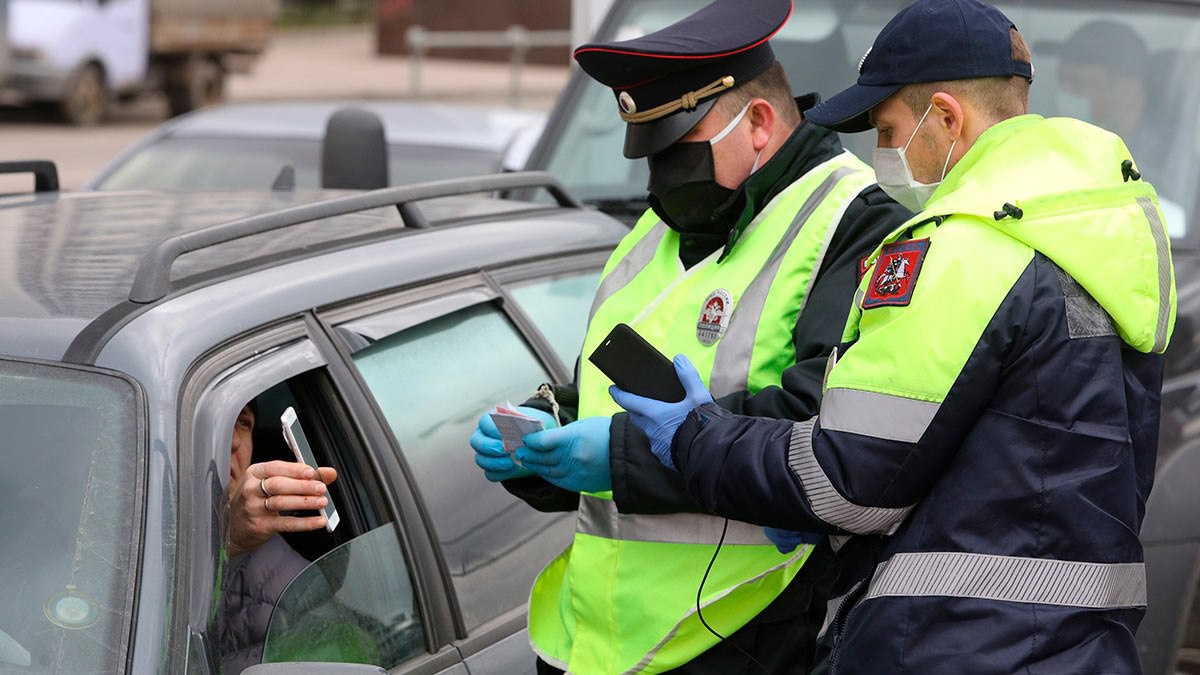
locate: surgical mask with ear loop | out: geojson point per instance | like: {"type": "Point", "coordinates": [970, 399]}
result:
{"type": "Point", "coordinates": [683, 187]}
{"type": "Point", "coordinates": [895, 177]}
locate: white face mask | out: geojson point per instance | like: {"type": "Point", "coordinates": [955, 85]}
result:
{"type": "Point", "coordinates": [895, 177]}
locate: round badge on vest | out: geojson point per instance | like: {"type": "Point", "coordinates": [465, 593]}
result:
{"type": "Point", "coordinates": [714, 317]}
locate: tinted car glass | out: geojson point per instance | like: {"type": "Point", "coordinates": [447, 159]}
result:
{"type": "Point", "coordinates": [353, 605]}
{"type": "Point", "coordinates": [1154, 110]}
{"type": "Point", "coordinates": [240, 163]}
{"type": "Point", "coordinates": [559, 306]}
{"type": "Point", "coordinates": [70, 492]}
{"type": "Point", "coordinates": [432, 382]}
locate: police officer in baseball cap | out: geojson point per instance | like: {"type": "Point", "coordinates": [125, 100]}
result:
{"type": "Point", "coordinates": [767, 214]}
{"type": "Point", "coordinates": [988, 431]}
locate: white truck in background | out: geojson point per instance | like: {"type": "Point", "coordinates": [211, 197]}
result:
{"type": "Point", "coordinates": [79, 54]}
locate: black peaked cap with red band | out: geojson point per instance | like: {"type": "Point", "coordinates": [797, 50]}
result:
{"type": "Point", "coordinates": [666, 81]}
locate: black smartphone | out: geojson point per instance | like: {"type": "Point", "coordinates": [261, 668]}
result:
{"type": "Point", "coordinates": [636, 366]}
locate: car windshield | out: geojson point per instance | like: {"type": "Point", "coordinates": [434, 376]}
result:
{"type": "Point", "coordinates": [70, 492]}
{"type": "Point", "coordinates": [1154, 109]}
{"type": "Point", "coordinates": [253, 164]}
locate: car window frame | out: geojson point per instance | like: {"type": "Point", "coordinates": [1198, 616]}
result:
{"type": "Point", "coordinates": [429, 302]}
{"type": "Point", "coordinates": [489, 285]}
{"type": "Point", "coordinates": [435, 595]}
{"type": "Point", "coordinates": [252, 362]}
{"type": "Point", "coordinates": [545, 269]}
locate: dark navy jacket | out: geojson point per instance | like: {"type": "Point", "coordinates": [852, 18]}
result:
{"type": "Point", "coordinates": [996, 530]}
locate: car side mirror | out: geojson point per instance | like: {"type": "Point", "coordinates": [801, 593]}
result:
{"type": "Point", "coordinates": [354, 154]}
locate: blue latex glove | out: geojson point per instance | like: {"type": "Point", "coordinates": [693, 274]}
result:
{"type": "Point", "coordinates": [787, 541]}
{"type": "Point", "coordinates": [659, 419]}
{"type": "Point", "coordinates": [574, 457]}
{"type": "Point", "coordinates": [489, 449]}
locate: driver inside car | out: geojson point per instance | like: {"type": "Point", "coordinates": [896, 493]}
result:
{"type": "Point", "coordinates": [261, 497]}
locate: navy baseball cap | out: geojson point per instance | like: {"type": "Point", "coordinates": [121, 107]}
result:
{"type": "Point", "coordinates": [928, 41]}
{"type": "Point", "coordinates": [667, 81]}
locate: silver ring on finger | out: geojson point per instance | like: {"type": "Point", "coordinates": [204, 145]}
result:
{"type": "Point", "coordinates": [267, 504]}
{"type": "Point", "coordinates": [262, 486]}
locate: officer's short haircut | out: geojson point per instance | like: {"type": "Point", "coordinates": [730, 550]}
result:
{"type": "Point", "coordinates": [999, 97]}
{"type": "Point", "coordinates": [772, 86]}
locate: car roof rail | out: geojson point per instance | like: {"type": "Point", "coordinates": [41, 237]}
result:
{"type": "Point", "coordinates": [152, 282]}
{"type": "Point", "coordinates": [45, 173]}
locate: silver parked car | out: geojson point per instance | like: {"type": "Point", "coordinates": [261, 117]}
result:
{"type": "Point", "coordinates": [244, 146]}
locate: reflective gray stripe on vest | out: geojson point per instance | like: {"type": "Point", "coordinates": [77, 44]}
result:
{"type": "Point", "coordinates": [731, 367]}
{"type": "Point", "coordinates": [629, 266]}
{"type": "Point", "coordinates": [1011, 579]}
{"type": "Point", "coordinates": [1164, 272]}
{"type": "Point", "coordinates": [894, 418]}
{"type": "Point", "coordinates": [600, 518]}
{"type": "Point", "coordinates": [826, 502]}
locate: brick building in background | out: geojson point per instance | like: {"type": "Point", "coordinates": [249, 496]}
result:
{"type": "Point", "coordinates": [394, 17]}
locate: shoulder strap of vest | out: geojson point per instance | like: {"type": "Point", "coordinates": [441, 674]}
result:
{"type": "Point", "coordinates": [731, 369]}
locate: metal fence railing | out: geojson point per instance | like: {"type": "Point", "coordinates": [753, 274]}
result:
{"type": "Point", "coordinates": [517, 39]}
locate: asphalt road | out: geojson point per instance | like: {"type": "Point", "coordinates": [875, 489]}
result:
{"type": "Point", "coordinates": [300, 64]}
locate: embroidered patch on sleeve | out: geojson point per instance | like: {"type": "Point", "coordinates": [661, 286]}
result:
{"type": "Point", "coordinates": [895, 276]}
{"type": "Point", "coordinates": [863, 266]}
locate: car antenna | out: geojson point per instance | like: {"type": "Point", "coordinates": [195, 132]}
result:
{"type": "Point", "coordinates": [286, 180]}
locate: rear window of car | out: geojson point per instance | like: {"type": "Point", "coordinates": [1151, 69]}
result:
{"type": "Point", "coordinates": [70, 494]}
{"type": "Point", "coordinates": [253, 164]}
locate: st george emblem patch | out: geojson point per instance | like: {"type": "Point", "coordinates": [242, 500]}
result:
{"type": "Point", "coordinates": [714, 317]}
{"type": "Point", "coordinates": [895, 276]}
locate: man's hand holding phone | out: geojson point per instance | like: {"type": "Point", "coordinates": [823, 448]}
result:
{"type": "Point", "coordinates": [661, 419]}
{"type": "Point", "coordinates": [269, 490]}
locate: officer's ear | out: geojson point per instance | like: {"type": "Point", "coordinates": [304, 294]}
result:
{"type": "Point", "coordinates": [948, 114]}
{"type": "Point", "coordinates": [763, 119]}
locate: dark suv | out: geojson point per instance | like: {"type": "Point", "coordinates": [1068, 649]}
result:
{"type": "Point", "coordinates": [1125, 65]}
{"type": "Point", "coordinates": [133, 328]}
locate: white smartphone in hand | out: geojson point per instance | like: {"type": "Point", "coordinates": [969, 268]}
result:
{"type": "Point", "coordinates": [293, 435]}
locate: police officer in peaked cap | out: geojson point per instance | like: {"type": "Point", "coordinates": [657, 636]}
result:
{"type": "Point", "coordinates": [746, 263]}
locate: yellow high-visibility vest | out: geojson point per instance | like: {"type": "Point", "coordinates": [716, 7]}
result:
{"type": "Point", "coordinates": [622, 597]}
